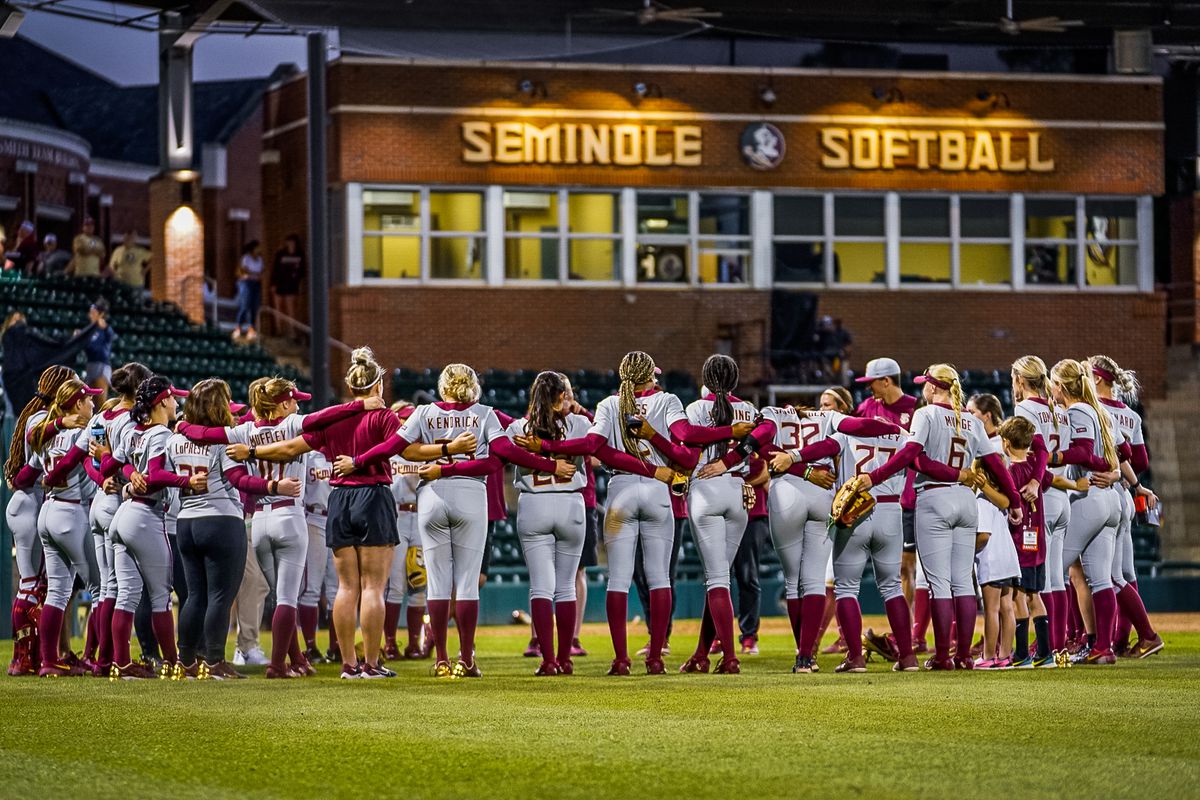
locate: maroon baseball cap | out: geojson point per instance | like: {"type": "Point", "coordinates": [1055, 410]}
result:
{"type": "Point", "coordinates": [291, 394]}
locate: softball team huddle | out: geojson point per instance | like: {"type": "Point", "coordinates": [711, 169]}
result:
{"type": "Point", "coordinates": [386, 507]}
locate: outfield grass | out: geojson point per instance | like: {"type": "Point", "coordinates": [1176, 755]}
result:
{"type": "Point", "coordinates": [1133, 729]}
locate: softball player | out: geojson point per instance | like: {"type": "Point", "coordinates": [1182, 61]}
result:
{"type": "Point", "coordinates": [946, 512]}
{"type": "Point", "coordinates": [21, 514]}
{"type": "Point", "coordinates": [1095, 516]}
{"type": "Point", "coordinates": [1031, 392]}
{"type": "Point", "coordinates": [1109, 376]}
{"type": "Point", "coordinates": [141, 553]}
{"type": "Point", "coordinates": [317, 472]}
{"type": "Point", "coordinates": [62, 521]}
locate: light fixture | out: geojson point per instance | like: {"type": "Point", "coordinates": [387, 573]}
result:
{"type": "Point", "coordinates": [767, 95]}
{"type": "Point", "coordinates": [531, 88]}
{"type": "Point", "coordinates": [657, 224]}
{"type": "Point", "coordinates": [645, 89]}
{"type": "Point", "coordinates": [887, 94]}
{"type": "Point", "coordinates": [185, 175]}
{"type": "Point", "coordinates": [995, 99]}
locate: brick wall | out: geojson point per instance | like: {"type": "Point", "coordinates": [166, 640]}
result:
{"type": "Point", "coordinates": [177, 261]}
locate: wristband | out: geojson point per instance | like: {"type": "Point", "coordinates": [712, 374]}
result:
{"type": "Point", "coordinates": [273, 487]}
{"type": "Point", "coordinates": [253, 452]}
{"type": "Point", "coordinates": [445, 450]}
{"type": "Point", "coordinates": [1133, 487]}
{"type": "Point", "coordinates": [808, 471]}
{"type": "Point", "coordinates": [745, 447]}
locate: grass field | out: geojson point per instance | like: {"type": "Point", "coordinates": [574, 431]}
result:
{"type": "Point", "coordinates": [1132, 729]}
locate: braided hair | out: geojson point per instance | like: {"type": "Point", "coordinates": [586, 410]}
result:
{"type": "Point", "coordinates": [51, 378]}
{"type": "Point", "coordinates": [637, 369]}
{"type": "Point", "coordinates": [720, 375]}
{"type": "Point", "coordinates": [1123, 380]}
{"type": "Point", "coordinates": [544, 421]}
{"type": "Point", "coordinates": [143, 400]}
{"type": "Point", "coordinates": [948, 374]}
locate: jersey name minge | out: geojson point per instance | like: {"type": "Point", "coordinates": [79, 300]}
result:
{"type": "Point", "coordinates": [954, 442]}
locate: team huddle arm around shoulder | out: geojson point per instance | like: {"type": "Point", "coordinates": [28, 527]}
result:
{"type": "Point", "coordinates": [867, 427]}
{"type": "Point", "coordinates": [240, 478]}
{"type": "Point", "coordinates": [1039, 456]}
{"type": "Point", "coordinates": [763, 432]}
{"type": "Point", "coordinates": [994, 463]}
{"type": "Point", "coordinates": [681, 454]}
{"type": "Point", "coordinates": [903, 458]}
{"type": "Point", "coordinates": [698, 435]}
{"type": "Point", "coordinates": [622, 461]}
{"type": "Point", "coordinates": [62, 469]}
{"type": "Point", "coordinates": [503, 447]}
{"type": "Point", "coordinates": [202, 434]}
{"type": "Point", "coordinates": [1124, 451]}
{"type": "Point", "coordinates": [474, 468]}
{"type": "Point", "coordinates": [826, 448]}
{"type": "Point", "coordinates": [1140, 459]}
{"type": "Point", "coordinates": [159, 477]}
{"type": "Point", "coordinates": [26, 477]}
{"type": "Point", "coordinates": [92, 472]}
{"type": "Point", "coordinates": [327, 416]}
{"type": "Point", "coordinates": [584, 446]}
{"type": "Point", "coordinates": [1081, 453]}
{"type": "Point", "coordinates": [392, 446]}
{"type": "Point", "coordinates": [109, 465]}
{"type": "Point", "coordinates": [935, 469]}
{"type": "Point", "coordinates": [505, 419]}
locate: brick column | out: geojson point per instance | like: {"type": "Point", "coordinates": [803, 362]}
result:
{"type": "Point", "coordinates": [177, 246]}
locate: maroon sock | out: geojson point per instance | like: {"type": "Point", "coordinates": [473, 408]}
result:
{"type": "Point", "coordinates": [542, 611]}
{"type": "Point", "coordinates": [122, 629]}
{"type": "Point", "coordinates": [1105, 603]}
{"type": "Point", "coordinates": [812, 609]}
{"type": "Point", "coordinates": [897, 614]}
{"type": "Point", "coordinates": [439, 621]}
{"type": "Point", "coordinates": [708, 633]}
{"type": "Point", "coordinates": [1131, 603]}
{"type": "Point", "coordinates": [49, 630]}
{"type": "Point", "coordinates": [104, 631]}
{"type": "Point", "coordinates": [660, 620]}
{"type": "Point", "coordinates": [306, 618]}
{"type": "Point", "coordinates": [793, 609]}
{"type": "Point", "coordinates": [1058, 628]}
{"type": "Point", "coordinates": [20, 608]}
{"type": "Point", "coordinates": [850, 620]}
{"type": "Point", "coordinates": [965, 611]}
{"type": "Point", "coordinates": [1051, 604]}
{"type": "Point", "coordinates": [828, 614]}
{"type": "Point", "coordinates": [1075, 618]}
{"type": "Point", "coordinates": [564, 616]}
{"type": "Point", "coordinates": [921, 616]}
{"type": "Point", "coordinates": [283, 633]}
{"type": "Point", "coordinates": [466, 617]}
{"type": "Point", "coordinates": [90, 639]}
{"type": "Point", "coordinates": [391, 621]}
{"type": "Point", "coordinates": [720, 604]}
{"type": "Point", "coordinates": [414, 621]}
{"type": "Point", "coordinates": [616, 608]}
{"type": "Point", "coordinates": [942, 616]}
{"type": "Point", "coordinates": [164, 630]}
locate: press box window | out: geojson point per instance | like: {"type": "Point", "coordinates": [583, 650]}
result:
{"type": "Point", "coordinates": [1110, 255]}
{"type": "Point", "coordinates": [985, 244]}
{"type": "Point", "coordinates": [663, 254]}
{"type": "Point", "coordinates": [593, 236]}
{"type": "Point", "coordinates": [531, 240]}
{"type": "Point", "coordinates": [925, 240]}
{"type": "Point", "coordinates": [799, 240]}
{"type": "Point", "coordinates": [456, 235]}
{"type": "Point", "coordinates": [859, 254]}
{"type": "Point", "coordinates": [1051, 241]}
{"type": "Point", "coordinates": [391, 234]}
{"type": "Point", "coordinates": [724, 243]}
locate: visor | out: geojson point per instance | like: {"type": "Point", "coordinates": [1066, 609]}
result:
{"type": "Point", "coordinates": [170, 390]}
{"type": "Point", "coordinates": [927, 378]}
{"type": "Point", "coordinates": [1103, 374]}
{"type": "Point", "coordinates": [291, 394]}
{"type": "Point", "coordinates": [86, 390]}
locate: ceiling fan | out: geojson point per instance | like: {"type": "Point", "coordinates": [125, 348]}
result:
{"type": "Point", "coordinates": [652, 11]}
{"type": "Point", "coordinates": [1012, 26]}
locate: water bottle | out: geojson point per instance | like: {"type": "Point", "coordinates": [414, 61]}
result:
{"type": "Point", "coordinates": [100, 435]}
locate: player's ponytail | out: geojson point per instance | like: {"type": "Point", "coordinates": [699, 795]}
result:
{"type": "Point", "coordinates": [637, 369]}
{"type": "Point", "coordinates": [147, 393]}
{"type": "Point", "coordinates": [1124, 381]}
{"type": "Point", "coordinates": [720, 375]}
{"type": "Point", "coordinates": [262, 396]}
{"type": "Point", "coordinates": [48, 383]}
{"type": "Point", "coordinates": [1075, 378]}
{"type": "Point", "coordinates": [544, 421]}
{"type": "Point", "coordinates": [458, 383]}
{"type": "Point", "coordinates": [66, 392]}
{"type": "Point", "coordinates": [946, 377]}
{"type": "Point", "coordinates": [364, 372]}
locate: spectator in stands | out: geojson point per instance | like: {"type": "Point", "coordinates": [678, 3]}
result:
{"type": "Point", "coordinates": [87, 252]}
{"type": "Point", "coordinates": [53, 260]}
{"type": "Point", "coordinates": [129, 262]}
{"type": "Point", "coordinates": [286, 275]}
{"type": "Point", "coordinates": [98, 349]}
{"type": "Point", "coordinates": [24, 254]}
{"type": "Point", "coordinates": [249, 295]}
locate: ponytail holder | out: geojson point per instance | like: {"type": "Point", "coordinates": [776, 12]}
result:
{"type": "Point", "coordinates": [42, 396]}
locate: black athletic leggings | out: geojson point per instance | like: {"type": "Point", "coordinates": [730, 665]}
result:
{"type": "Point", "coordinates": [214, 560]}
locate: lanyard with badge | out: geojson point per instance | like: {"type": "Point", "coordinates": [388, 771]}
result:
{"type": "Point", "coordinates": [1029, 535]}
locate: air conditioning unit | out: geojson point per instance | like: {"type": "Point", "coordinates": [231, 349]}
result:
{"type": "Point", "coordinates": [663, 263]}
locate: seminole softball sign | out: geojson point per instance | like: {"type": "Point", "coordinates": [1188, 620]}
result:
{"type": "Point", "coordinates": [953, 150]}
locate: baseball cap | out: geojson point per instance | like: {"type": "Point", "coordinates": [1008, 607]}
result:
{"type": "Point", "coordinates": [291, 394]}
{"type": "Point", "coordinates": [879, 368]}
{"type": "Point", "coordinates": [50, 237]}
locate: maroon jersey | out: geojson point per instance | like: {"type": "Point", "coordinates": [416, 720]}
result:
{"type": "Point", "coordinates": [354, 436]}
{"type": "Point", "coordinates": [898, 413]}
{"type": "Point", "coordinates": [1030, 535]}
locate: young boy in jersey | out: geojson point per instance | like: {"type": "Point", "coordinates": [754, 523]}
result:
{"type": "Point", "coordinates": [1016, 435]}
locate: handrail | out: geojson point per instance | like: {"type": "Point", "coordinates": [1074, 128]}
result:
{"type": "Point", "coordinates": [296, 325]}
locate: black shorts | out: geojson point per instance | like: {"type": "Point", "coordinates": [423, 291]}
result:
{"type": "Point", "coordinates": [487, 548]}
{"type": "Point", "coordinates": [361, 516]}
{"type": "Point", "coordinates": [1033, 579]}
{"type": "Point", "coordinates": [588, 557]}
{"type": "Point", "coordinates": [908, 519]}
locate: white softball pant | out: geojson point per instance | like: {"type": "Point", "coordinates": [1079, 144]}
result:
{"type": "Point", "coordinates": [638, 507]}
{"type": "Point", "coordinates": [1056, 509]}
{"type": "Point", "coordinates": [718, 521]}
{"type": "Point", "coordinates": [63, 529]}
{"type": "Point", "coordinates": [22, 512]}
{"type": "Point", "coordinates": [141, 557]}
{"type": "Point", "coordinates": [946, 521]}
{"type": "Point", "coordinates": [452, 519]}
{"type": "Point", "coordinates": [100, 517]}
{"type": "Point", "coordinates": [279, 537]}
{"type": "Point", "coordinates": [551, 526]}
{"type": "Point", "coordinates": [331, 579]}
{"type": "Point", "coordinates": [314, 566]}
{"type": "Point", "coordinates": [397, 588]}
{"type": "Point", "coordinates": [879, 538]}
{"type": "Point", "coordinates": [1091, 535]}
{"type": "Point", "coordinates": [1123, 570]}
{"type": "Point", "coordinates": [799, 511]}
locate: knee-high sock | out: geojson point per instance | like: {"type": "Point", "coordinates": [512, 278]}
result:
{"type": "Point", "coordinates": [1105, 603]}
{"type": "Point", "coordinates": [91, 640]}
{"type": "Point", "coordinates": [616, 608]}
{"type": "Point", "coordinates": [1041, 636]}
{"type": "Point", "coordinates": [414, 622]}
{"type": "Point", "coordinates": [466, 617]}
{"type": "Point", "coordinates": [921, 615]}
{"type": "Point", "coordinates": [164, 631]}
{"type": "Point", "coordinates": [720, 603]}
{"type": "Point", "coordinates": [1051, 604]}
{"type": "Point", "coordinates": [564, 617]}
{"type": "Point", "coordinates": [283, 632]}
{"type": "Point", "coordinates": [965, 611]}
{"type": "Point", "coordinates": [942, 616]}
{"type": "Point", "coordinates": [897, 614]}
{"type": "Point", "coordinates": [828, 614]}
{"type": "Point", "coordinates": [812, 609]}
{"type": "Point", "coordinates": [1021, 651]}
{"type": "Point", "coordinates": [1058, 623]}
{"type": "Point", "coordinates": [850, 620]}
{"type": "Point", "coordinates": [660, 621]}
{"type": "Point", "coordinates": [542, 611]}
{"type": "Point", "coordinates": [306, 618]}
{"type": "Point", "coordinates": [708, 633]}
{"type": "Point", "coordinates": [391, 621]}
{"type": "Point", "coordinates": [1135, 612]}
{"type": "Point", "coordinates": [104, 654]}
{"type": "Point", "coordinates": [1074, 615]}
{"type": "Point", "coordinates": [49, 630]}
{"type": "Point", "coordinates": [122, 629]}
{"type": "Point", "coordinates": [793, 609]}
{"type": "Point", "coordinates": [439, 621]}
